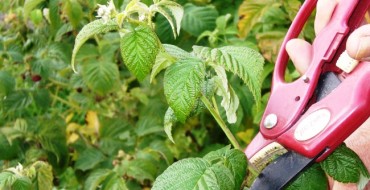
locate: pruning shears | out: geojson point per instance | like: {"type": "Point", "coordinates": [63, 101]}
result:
{"type": "Point", "coordinates": [307, 119]}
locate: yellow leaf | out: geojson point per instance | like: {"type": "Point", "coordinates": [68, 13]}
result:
{"type": "Point", "coordinates": [270, 43]}
{"type": "Point", "coordinates": [246, 135]}
{"type": "Point", "coordinates": [292, 7]}
{"type": "Point", "coordinates": [72, 138]}
{"type": "Point", "coordinates": [69, 117]}
{"type": "Point", "coordinates": [71, 130]}
{"type": "Point", "coordinates": [92, 121]}
{"type": "Point", "coordinates": [72, 127]}
{"type": "Point", "coordinates": [251, 12]}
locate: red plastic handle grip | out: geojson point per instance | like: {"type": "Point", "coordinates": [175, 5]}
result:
{"type": "Point", "coordinates": [348, 106]}
{"type": "Point", "coordinates": [293, 32]}
{"type": "Point", "coordinates": [289, 100]}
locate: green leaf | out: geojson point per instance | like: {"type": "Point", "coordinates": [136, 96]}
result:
{"type": "Point", "coordinates": [7, 83]}
{"type": "Point", "coordinates": [89, 30]}
{"type": "Point", "coordinates": [198, 19]}
{"type": "Point", "coordinates": [144, 167]}
{"type": "Point", "coordinates": [164, 30]}
{"type": "Point", "coordinates": [41, 98]}
{"type": "Point", "coordinates": [208, 90]}
{"type": "Point", "coordinates": [101, 77]}
{"type": "Point", "coordinates": [30, 5]}
{"type": "Point", "coordinates": [139, 49]}
{"type": "Point", "coordinates": [136, 6]}
{"type": "Point", "coordinates": [344, 165]}
{"type": "Point", "coordinates": [74, 12]}
{"type": "Point", "coordinates": [52, 137]}
{"type": "Point", "coordinates": [89, 158]}
{"type": "Point", "coordinates": [114, 182]}
{"type": "Point", "coordinates": [313, 178]}
{"type": "Point", "coordinates": [44, 175]}
{"type": "Point", "coordinates": [251, 12]}
{"type": "Point", "coordinates": [230, 101]}
{"type": "Point", "coordinates": [173, 13]}
{"type": "Point", "coordinates": [194, 173]}
{"type": "Point", "coordinates": [54, 16]}
{"type": "Point", "coordinates": [161, 147]}
{"type": "Point", "coordinates": [221, 23]}
{"type": "Point", "coordinates": [176, 52]}
{"type": "Point", "coordinates": [242, 61]}
{"type": "Point", "coordinates": [64, 29]}
{"type": "Point", "coordinates": [235, 160]}
{"type": "Point", "coordinates": [17, 100]}
{"type": "Point", "coordinates": [208, 34]}
{"type": "Point", "coordinates": [183, 83]}
{"type": "Point", "coordinates": [292, 7]}
{"type": "Point", "coordinates": [6, 179]}
{"type": "Point", "coordinates": [22, 183]}
{"type": "Point", "coordinates": [149, 125]}
{"type": "Point", "coordinates": [21, 125]}
{"type": "Point", "coordinates": [36, 16]}
{"type": "Point", "coordinates": [96, 178]}
{"type": "Point", "coordinates": [162, 61]}
{"type": "Point", "coordinates": [8, 150]}
{"type": "Point", "coordinates": [41, 67]}
{"type": "Point", "coordinates": [169, 119]}
{"type": "Point", "coordinates": [14, 53]}
{"type": "Point", "coordinates": [68, 180]}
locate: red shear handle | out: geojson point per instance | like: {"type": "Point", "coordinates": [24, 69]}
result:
{"type": "Point", "coordinates": [344, 109]}
{"type": "Point", "coordinates": [329, 122]}
{"type": "Point", "coordinates": [294, 31]}
{"type": "Point", "coordinates": [288, 100]}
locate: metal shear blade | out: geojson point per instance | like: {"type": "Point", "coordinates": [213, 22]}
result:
{"type": "Point", "coordinates": [290, 164]}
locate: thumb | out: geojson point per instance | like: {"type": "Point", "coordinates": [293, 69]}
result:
{"type": "Point", "coordinates": [358, 43]}
{"type": "Point", "coordinates": [300, 52]}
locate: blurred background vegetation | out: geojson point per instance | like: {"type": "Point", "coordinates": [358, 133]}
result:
{"type": "Point", "coordinates": [102, 127]}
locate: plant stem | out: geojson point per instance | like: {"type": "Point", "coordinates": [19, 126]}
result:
{"type": "Point", "coordinates": [65, 102]}
{"type": "Point", "coordinates": [56, 94]}
{"type": "Point", "coordinates": [253, 171]}
{"type": "Point", "coordinates": [220, 122]}
{"type": "Point", "coordinates": [215, 105]}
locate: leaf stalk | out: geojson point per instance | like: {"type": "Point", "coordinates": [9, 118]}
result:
{"type": "Point", "coordinates": [220, 122]}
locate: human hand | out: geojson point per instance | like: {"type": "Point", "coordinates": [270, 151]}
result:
{"type": "Point", "coordinates": [358, 47]}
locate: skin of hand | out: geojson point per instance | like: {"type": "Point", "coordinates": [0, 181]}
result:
{"type": "Point", "coordinates": [358, 47]}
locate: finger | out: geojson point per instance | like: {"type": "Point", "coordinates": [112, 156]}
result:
{"type": "Point", "coordinates": [324, 11]}
{"type": "Point", "coordinates": [358, 43]}
{"type": "Point", "coordinates": [343, 186]}
{"type": "Point", "coordinates": [300, 52]}
{"type": "Point", "coordinates": [357, 141]}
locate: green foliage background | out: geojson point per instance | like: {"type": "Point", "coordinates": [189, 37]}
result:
{"type": "Point", "coordinates": [103, 127]}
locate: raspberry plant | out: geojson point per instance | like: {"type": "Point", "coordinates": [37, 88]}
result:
{"type": "Point", "coordinates": [119, 94]}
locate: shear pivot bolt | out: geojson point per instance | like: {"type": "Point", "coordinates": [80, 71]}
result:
{"type": "Point", "coordinates": [305, 79]}
{"type": "Point", "coordinates": [270, 121]}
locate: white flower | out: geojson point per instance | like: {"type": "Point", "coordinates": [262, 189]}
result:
{"type": "Point", "coordinates": [19, 167]}
{"type": "Point", "coordinates": [17, 170]}
{"type": "Point", "coordinates": [45, 12]}
{"type": "Point", "coordinates": [142, 17]}
{"type": "Point", "coordinates": [106, 11]}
